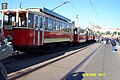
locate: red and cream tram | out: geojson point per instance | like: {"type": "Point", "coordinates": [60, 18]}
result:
{"type": "Point", "coordinates": [83, 35]}
{"type": "Point", "coordinates": [33, 27]}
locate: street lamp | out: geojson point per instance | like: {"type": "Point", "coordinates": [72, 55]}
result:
{"type": "Point", "coordinates": [77, 20]}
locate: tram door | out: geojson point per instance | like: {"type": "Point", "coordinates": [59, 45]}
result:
{"type": "Point", "coordinates": [36, 40]}
{"type": "Point", "coordinates": [75, 39]}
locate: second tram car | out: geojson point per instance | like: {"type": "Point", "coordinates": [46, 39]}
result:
{"type": "Point", "coordinates": [83, 35]}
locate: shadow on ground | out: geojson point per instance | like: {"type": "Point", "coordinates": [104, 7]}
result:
{"type": "Point", "coordinates": [76, 76]}
{"type": "Point", "coordinates": [19, 62]}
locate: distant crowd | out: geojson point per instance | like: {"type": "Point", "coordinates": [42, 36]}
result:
{"type": "Point", "coordinates": [113, 41]}
{"type": "Point", "coordinates": [108, 40]}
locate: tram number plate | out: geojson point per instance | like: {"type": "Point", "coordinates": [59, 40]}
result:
{"type": "Point", "coordinates": [8, 27]}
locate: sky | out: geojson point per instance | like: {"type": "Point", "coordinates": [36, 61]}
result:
{"type": "Point", "coordinates": [104, 13]}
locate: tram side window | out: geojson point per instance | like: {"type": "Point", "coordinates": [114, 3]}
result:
{"type": "Point", "coordinates": [41, 21]}
{"type": "Point", "coordinates": [36, 21]}
{"type": "Point", "coordinates": [50, 24]}
{"type": "Point", "coordinates": [22, 20]}
{"type": "Point", "coordinates": [58, 25]}
{"type": "Point", "coordinates": [68, 28]}
{"type": "Point", "coordinates": [54, 24]}
{"type": "Point", "coordinates": [30, 20]}
{"type": "Point", "coordinates": [63, 27]}
{"type": "Point", "coordinates": [46, 23]}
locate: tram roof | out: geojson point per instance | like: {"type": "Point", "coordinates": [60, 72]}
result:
{"type": "Point", "coordinates": [50, 12]}
{"type": "Point", "coordinates": [12, 10]}
{"type": "Point", "coordinates": [45, 10]}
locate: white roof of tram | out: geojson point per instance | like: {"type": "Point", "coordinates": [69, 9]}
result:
{"type": "Point", "coordinates": [4, 10]}
{"type": "Point", "coordinates": [44, 10]}
{"type": "Point", "coordinates": [50, 12]}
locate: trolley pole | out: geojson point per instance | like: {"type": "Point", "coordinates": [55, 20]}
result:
{"type": "Point", "coordinates": [60, 5]}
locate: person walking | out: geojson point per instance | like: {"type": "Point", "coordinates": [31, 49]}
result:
{"type": "Point", "coordinates": [113, 42]}
{"type": "Point", "coordinates": [5, 51]}
{"type": "Point", "coordinates": [118, 41]}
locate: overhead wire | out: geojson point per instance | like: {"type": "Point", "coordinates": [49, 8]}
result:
{"type": "Point", "coordinates": [96, 12]}
{"type": "Point", "coordinates": [59, 6]}
{"type": "Point", "coordinates": [78, 11]}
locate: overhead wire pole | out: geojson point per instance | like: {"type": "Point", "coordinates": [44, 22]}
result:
{"type": "Point", "coordinates": [77, 10]}
{"type": "Point", "coordinates": [86, 20]}
{"type": "Point", "coordinates": [96, 12]}
{"type": "Point", "coordinates": [77, 19]}
{"type": "Point", "coordinates": [60, 5]}
{"type": "Point", "coordinates": [20, 5]}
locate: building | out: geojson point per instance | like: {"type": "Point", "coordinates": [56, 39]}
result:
{"type": "Point", "coordinates": [108, 32]}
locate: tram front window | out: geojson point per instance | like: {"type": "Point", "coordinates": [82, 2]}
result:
{"type": "Point", "coordinates": [9, 18]}
{"type": "Point", "coordinates": [22, 19]}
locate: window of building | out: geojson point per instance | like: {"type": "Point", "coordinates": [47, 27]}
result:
{"type": "Point", "coordinates": [30, 20]}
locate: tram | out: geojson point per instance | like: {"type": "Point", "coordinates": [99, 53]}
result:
{"type": "Point", "coordinates": [83, 35]}
{"type": "Point", "coordinates": [33, 29]}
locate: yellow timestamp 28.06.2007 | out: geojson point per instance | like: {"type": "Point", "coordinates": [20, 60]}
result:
{"type": "Point", "coordinates": [93, 74]}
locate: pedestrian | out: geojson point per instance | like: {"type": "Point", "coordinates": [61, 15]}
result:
{"type": "Point", "coordinates": [107, 41]}
{"type": "Point", "coordinates": [117, 39]}
{"type": "Point", "coordinates": [5, 51]}
{"type": "Point", "coordinates": [113, 42]}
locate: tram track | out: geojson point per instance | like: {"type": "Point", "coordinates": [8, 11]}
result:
{"type": "Point", "coordinates": [22, 72]}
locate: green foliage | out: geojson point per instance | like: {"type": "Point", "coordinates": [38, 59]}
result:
{"type": "Point", "coordinates": [108, 32]}
{"type": "Point", "coordinates": [118, 33]}
{"type": "Point", "coordinates": [115, 32]}
{"type": "Point", "coordinates": [98, 32]}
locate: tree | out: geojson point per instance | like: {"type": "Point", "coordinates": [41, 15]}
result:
{"type": "Point", "coordinates": [115, 32]}
{"type": "Point", "coordinates": [118, 33]}
{"type": "Point", "coordinates": [98, 32]}
{"type": "Point", "coordinates": [108, 32]}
